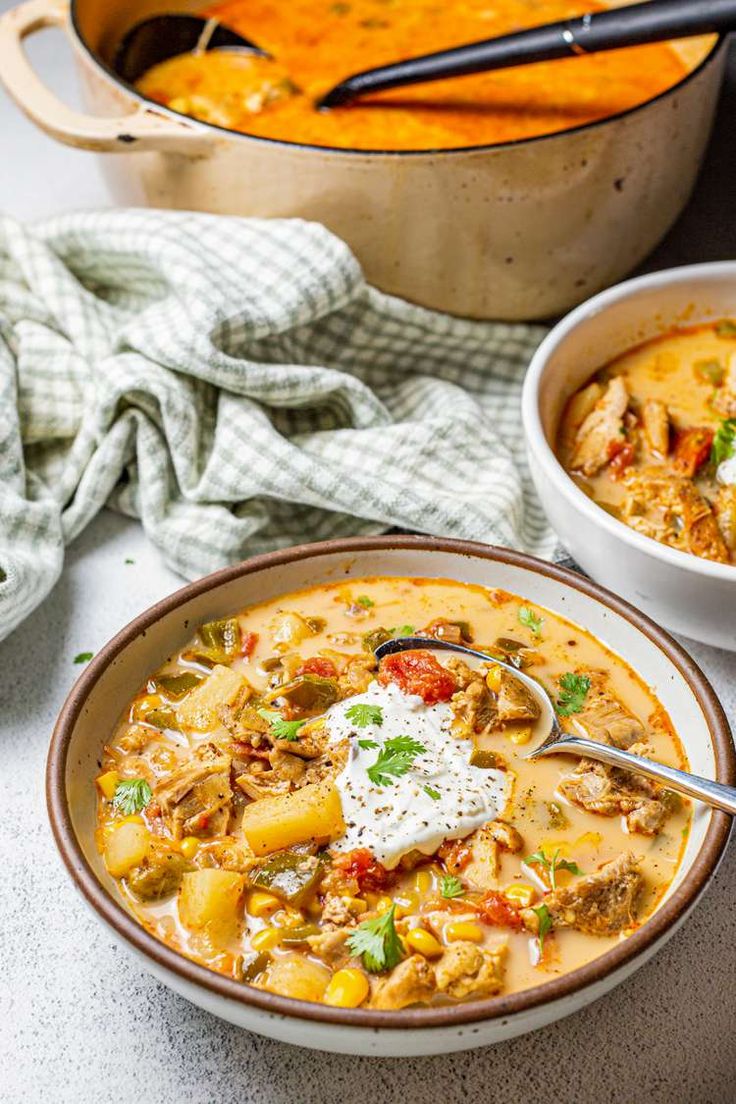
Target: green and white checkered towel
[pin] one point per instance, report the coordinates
(236, 385)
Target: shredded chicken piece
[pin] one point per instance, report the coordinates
(195, 798)
(602, 431)
(339, 911)
(725, 506)
(411, 982)
(577, 410)
(610, 791)
(475, 709)
(605, 718)
(515, 701)
(466, 970)
(670, 509)
(505, 835)
(656, 424)
(331, 947)
(603, 903)
(463, 674)
(357, 675)
(482, 870)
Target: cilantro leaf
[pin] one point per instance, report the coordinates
(368, 745)
(365, 601)
(131, 795)
(403, 630)
(83, 657)
(362, 714)
(724, 442)
(281, 729)
(377, 942)
(431, 792)
(545, 923)
(574, 692)
(552, 865)
(394, 760)
(529, 620)
(451, 886)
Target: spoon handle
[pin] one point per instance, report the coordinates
(631, 25)
(716, 794)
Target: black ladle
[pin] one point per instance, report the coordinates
(654, 21)
(154, 40)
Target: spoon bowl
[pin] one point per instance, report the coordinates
(161, 37)
(552, 740)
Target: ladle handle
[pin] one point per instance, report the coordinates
(631, 25)
(716, 794)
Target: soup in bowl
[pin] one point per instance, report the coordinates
(291, 831)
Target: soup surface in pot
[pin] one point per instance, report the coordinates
(316, 43)
(279, 807)
(652, 439)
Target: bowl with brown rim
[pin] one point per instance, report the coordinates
(107, 684)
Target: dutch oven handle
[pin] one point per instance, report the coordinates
(142, 129)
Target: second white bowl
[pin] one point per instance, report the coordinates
(686, 594)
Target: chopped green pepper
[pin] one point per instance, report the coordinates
(175, 687)
(293, 937)
(253, 964)
(309, 693)
(373, 639)
(480, 757)
(287, 874)
(222, 640)
(163, 718)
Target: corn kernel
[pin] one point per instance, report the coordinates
(549, 846)
(383, 904)
(423, 881)
(265, 939)
(134, 818)
(356, 905)
(423, 942)
(261, 904)
(347, 988)
(520, 734)
(493, 679)
(189, 846)
(108, 783)
(463, 930)
(520, 894)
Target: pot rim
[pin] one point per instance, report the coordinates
(199, 125)
(646, 938)
(543, 451)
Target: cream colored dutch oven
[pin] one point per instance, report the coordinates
(521, 230)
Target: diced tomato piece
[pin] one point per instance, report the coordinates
(318, 665)
(494, 909)
(455, 854)
(622, 456)
(362, 865)
(248, 643)
(419, 673)
(692, 449)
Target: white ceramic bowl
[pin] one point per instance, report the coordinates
(114, 674)
(686, 594)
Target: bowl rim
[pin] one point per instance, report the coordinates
(567, 985)
(539, 446)
(106, 70)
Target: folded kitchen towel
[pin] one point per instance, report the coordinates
(236, 385)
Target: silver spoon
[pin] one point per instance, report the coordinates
(716, 794)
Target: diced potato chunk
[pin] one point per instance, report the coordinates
(127, 846)
(200, 708)
(288, 630)
(275, 823)
(210, 900)
(297, 977)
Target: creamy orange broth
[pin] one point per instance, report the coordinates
(350, 610)
(317, 43)
(692, 373)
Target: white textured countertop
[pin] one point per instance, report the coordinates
(83, 1021)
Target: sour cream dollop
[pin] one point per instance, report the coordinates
(391, 820)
